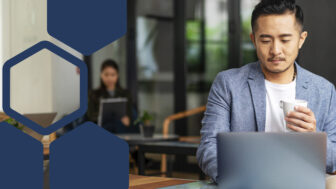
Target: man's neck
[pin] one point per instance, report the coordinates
(280, 78)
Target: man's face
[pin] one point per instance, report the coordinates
(277, 39)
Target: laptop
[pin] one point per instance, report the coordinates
(111, 109)
(271, 160)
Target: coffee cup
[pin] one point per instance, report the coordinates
(288, 106)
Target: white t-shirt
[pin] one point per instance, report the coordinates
(275, 121)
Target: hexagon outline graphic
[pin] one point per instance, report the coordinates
(63, 54)
(87, 26)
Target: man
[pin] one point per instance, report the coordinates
(247, 99)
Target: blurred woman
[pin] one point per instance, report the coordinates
(110, 88)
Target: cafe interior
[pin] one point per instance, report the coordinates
(167, 61)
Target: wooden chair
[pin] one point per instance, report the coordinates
(35, 135)
(165, 131)
(3, 116)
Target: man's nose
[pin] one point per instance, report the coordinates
(275, 48)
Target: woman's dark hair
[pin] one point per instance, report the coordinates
(109, 63)
(278, 7)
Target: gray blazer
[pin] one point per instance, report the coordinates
(237, 103)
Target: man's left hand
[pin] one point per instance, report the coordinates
(301, 120)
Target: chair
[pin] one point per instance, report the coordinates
(46, 144)
(49, 139)
(165, 131)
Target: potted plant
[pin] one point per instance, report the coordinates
(144, 121)
(13, 122)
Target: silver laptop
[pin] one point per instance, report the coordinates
(111, 109)
(271, 160)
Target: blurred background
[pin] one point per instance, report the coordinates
(169, 57)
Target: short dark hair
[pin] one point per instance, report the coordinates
(278, 7)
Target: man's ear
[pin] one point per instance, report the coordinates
(303, 37)
(253, 39)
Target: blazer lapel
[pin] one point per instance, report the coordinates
(302, 81)
(256, 83)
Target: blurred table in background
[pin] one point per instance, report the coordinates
(135, 139)
(169, 147)
(190, 139)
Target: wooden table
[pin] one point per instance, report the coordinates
(330, 181)
(144, 182)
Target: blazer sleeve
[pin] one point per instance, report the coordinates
(216, 119)
(330, 129)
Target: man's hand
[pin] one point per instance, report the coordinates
(301, 120)
(126, 121)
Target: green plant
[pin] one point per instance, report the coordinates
(13, 122)
(145, 119)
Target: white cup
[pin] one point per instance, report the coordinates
(288, 106)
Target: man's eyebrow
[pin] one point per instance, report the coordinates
(282, 35)
(265, 36)
(286, 35)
